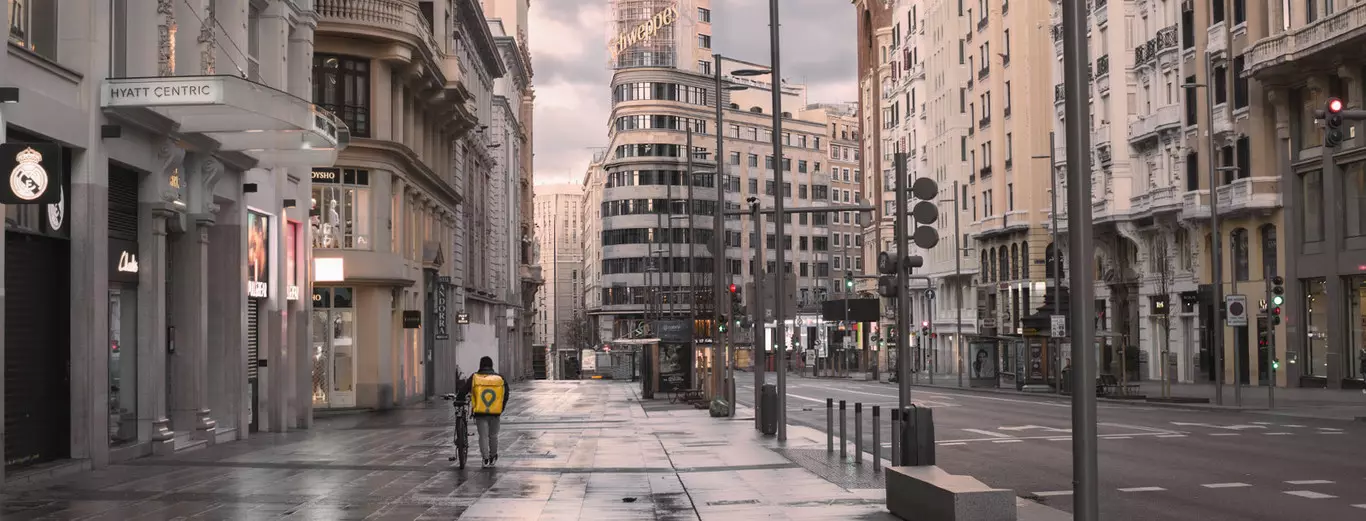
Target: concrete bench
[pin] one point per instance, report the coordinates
(929, 493)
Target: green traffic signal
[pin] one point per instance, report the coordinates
(1275, 364)
(1277, 300)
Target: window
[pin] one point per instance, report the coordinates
(254, 43)
(1007, 107)
(1220, 84)
(1316, 324)
(1191, 108)
(704, 15)
(1269, 264)
(704, 66)
(754, 160)
(734, 158)
(1010, 197)
(1192, 171)
(118, 38)
(704, 41)
(1239, 11)
(1243, 157)
(1354, 198)
(659, 91)
(1312, 206)
(341, 84)
(340, 211)
(1217, 12)
(1238, 245)
(33, 26)
(1311, 11)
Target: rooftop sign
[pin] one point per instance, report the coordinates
(646, 30)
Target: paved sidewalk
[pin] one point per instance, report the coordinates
(569, 451)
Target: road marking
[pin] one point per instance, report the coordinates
(1293, 426)
(1279, 433)
(1033, 427)
(1363, 505)
(1310, 482)
(1226, 427)
(1171, 435)
(1062, 438)
(1309, 494)
(1142, 489)
(1048, 437)
(1223, 434)
(1262, 423)
(985, 432)
(1138, 428)
(1008, 441)
(1225, 485)
(1334, 429)
(1332, 432)
(1053, 493)
(1116, 437)
(949, 444)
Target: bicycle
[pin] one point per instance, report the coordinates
(462, 429)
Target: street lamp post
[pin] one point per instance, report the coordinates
(1216, 243)
(780, 257)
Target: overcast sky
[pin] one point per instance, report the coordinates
(569, 54)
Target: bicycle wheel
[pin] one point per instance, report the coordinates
(462, 443)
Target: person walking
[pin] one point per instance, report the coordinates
(489, 391)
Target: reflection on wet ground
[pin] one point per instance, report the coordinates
(569, 451)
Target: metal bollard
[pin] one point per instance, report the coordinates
(844, 452)
(877, 438)
(829, 425)
(858, 432)
(896, 437)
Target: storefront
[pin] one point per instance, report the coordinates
(37, 300)
(123, 305)
(258, 290)
(334, 356)
(1356, 326)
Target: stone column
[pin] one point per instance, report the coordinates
(153, 423)
(189, 363)
(227, 318)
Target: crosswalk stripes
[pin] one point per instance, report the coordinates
(1306, 494)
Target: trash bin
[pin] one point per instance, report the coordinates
(768, 409)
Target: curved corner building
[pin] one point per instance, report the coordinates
(647, 246)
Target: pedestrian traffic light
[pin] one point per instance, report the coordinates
(722, 324)
(1275, 364)
(887, 265)
(1332, 123)
(848, 281)
(1277, 299)
(925, 327)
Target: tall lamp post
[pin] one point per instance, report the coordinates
(721, 275)
(780, 260)
(1057, 246)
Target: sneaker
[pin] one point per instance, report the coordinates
(487, 463)
(493, 462)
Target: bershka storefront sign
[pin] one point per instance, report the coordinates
(34, 173)
(258, 255)
(159, 92)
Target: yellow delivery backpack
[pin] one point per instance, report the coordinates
(488, 394)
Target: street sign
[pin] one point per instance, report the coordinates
(1059, 326)
(1236, 308)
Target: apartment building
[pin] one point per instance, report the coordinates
(1297, 55)
(1007, 192)
(160, 256)
(841, 161)
(876, 53)
(560, 324)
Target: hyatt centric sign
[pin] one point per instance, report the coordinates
(159, 92)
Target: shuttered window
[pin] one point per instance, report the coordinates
(253, 336)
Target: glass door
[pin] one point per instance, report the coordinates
(334, 361)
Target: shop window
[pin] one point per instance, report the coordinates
(1354, 198)
(339, 213)
(1316, 327)
(341, 84)
(1356, 323)
(33, 26)
(1311, 207)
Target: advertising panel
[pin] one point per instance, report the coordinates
(258, 254)
(291, 263)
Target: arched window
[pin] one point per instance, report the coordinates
(991, 272)
(1238, 246)
(1052, 261)
(1269, 265)
(982, 268)
(1024, 260)
(1014, 262)
(1005, 263)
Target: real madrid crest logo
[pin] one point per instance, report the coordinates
(56, 213)
(29, 179)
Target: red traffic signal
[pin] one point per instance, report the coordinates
(733, 288)
(1334, 105)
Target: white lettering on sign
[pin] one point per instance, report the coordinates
(293, 293)
(646, 30)
(161, 92)
(258, 289)
(128, 262)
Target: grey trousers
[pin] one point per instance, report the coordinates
(488, 435)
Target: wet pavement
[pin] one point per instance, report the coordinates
(568, 451)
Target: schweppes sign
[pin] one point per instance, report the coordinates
(646, 30)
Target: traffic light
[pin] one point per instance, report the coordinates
(1332, 123)
(1277, 299)
(925, 327)
(925, 213)
(887, 265)
(722, 324)
(848, 281)
(1275, 364)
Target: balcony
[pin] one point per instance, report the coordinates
(982, 23)
(1195, 204)
(382, 20)
(1059, 94)
(1102, 13)
(1057, 39)
(1102, 79)
(983, 73)
(1222, 125)
(1333, 30)
(984, 122)
(1160, 199)
(1104, 155)
(1149, 52)
(1147, 127)
(1217, 41)
(1250, 193)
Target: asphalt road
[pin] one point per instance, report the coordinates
(1156, 463)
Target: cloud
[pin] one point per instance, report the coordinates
(569, 50)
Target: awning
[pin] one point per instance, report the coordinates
(274, 127)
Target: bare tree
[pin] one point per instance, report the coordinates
(579, 333)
